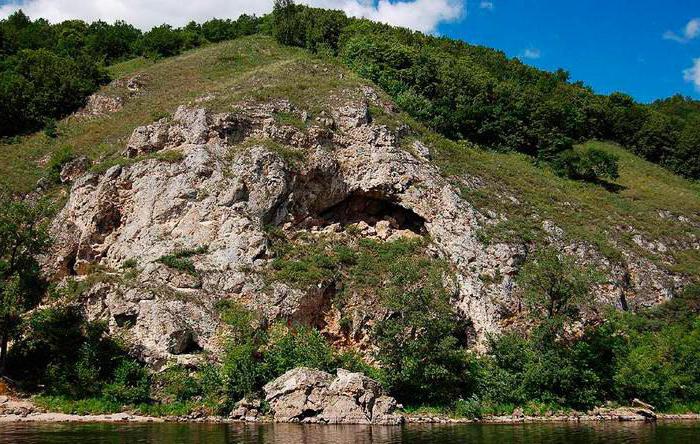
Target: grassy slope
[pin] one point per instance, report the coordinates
(257, 68)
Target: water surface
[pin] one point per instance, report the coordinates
(609, 433)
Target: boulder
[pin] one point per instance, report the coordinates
(74, 169)
(313, 396)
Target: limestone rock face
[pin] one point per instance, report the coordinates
(217, 180)
(312, 396)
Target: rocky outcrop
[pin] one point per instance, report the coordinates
(210, 183)
(312, 396)
(100, 105)
(74, 169)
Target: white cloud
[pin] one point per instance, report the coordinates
(487, 5)
(691, 31)
(421, 15)
(692, 74)
(531, 53)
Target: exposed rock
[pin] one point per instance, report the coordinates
(74, 169)
(99, 105)
(247, 410)
(312, 396)
(347, 174)
(421, 150)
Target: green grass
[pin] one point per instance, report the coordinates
(101, 406)
(291, 119)
(90, 406)
(180, 259)
(230, 71)
(528, 194)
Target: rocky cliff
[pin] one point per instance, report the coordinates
(183, 221)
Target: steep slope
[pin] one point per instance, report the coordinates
(244, 170)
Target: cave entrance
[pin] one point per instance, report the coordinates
(372, 209)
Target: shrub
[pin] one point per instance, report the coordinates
(180, 259)
(554, 284)
(75, 359)
(662, 367)
(130, 384)
(419, 344)
(58, 159)
(469, 408)
(300, 346)
(590, 164)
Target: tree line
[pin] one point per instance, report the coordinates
(462, 91)
(47, 70)
(476, 93)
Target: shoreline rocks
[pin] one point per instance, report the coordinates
(312, 396)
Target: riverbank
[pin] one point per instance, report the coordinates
(22, 410)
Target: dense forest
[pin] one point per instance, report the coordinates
(47, 70)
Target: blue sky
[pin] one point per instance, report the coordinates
(610, 45)
(645, 48)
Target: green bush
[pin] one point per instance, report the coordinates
(662, 367)
(39, 85)
(300, 346)
(180, 259)
(130, 384)
(554, 285)
(590, 164)
(58, 159)
(75, 359)
(469, 408)
(420, 351)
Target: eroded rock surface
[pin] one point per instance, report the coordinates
(312, 396)
(207, 184)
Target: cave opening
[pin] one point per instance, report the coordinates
(371, 209)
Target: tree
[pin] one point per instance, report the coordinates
(162, 41)
(23, 235)
(685, 159)
(554, 284)
(421, 343)
(287, 26)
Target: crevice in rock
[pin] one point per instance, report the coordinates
(185, 343)
(313, 310)
(308, 413)
(192, 346)
(125, 319)
(372, 208)
(69, 262)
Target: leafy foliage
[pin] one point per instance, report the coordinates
(47, 70)
(181, 259)
(554, 285)
(589, 164)
(23, 236)
(475, 93)
(76, 359)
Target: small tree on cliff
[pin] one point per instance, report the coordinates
(555, 285)
(23, 235)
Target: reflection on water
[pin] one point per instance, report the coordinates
(609, 433)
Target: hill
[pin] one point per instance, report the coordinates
(248, 207)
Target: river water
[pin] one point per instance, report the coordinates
(608, 433)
